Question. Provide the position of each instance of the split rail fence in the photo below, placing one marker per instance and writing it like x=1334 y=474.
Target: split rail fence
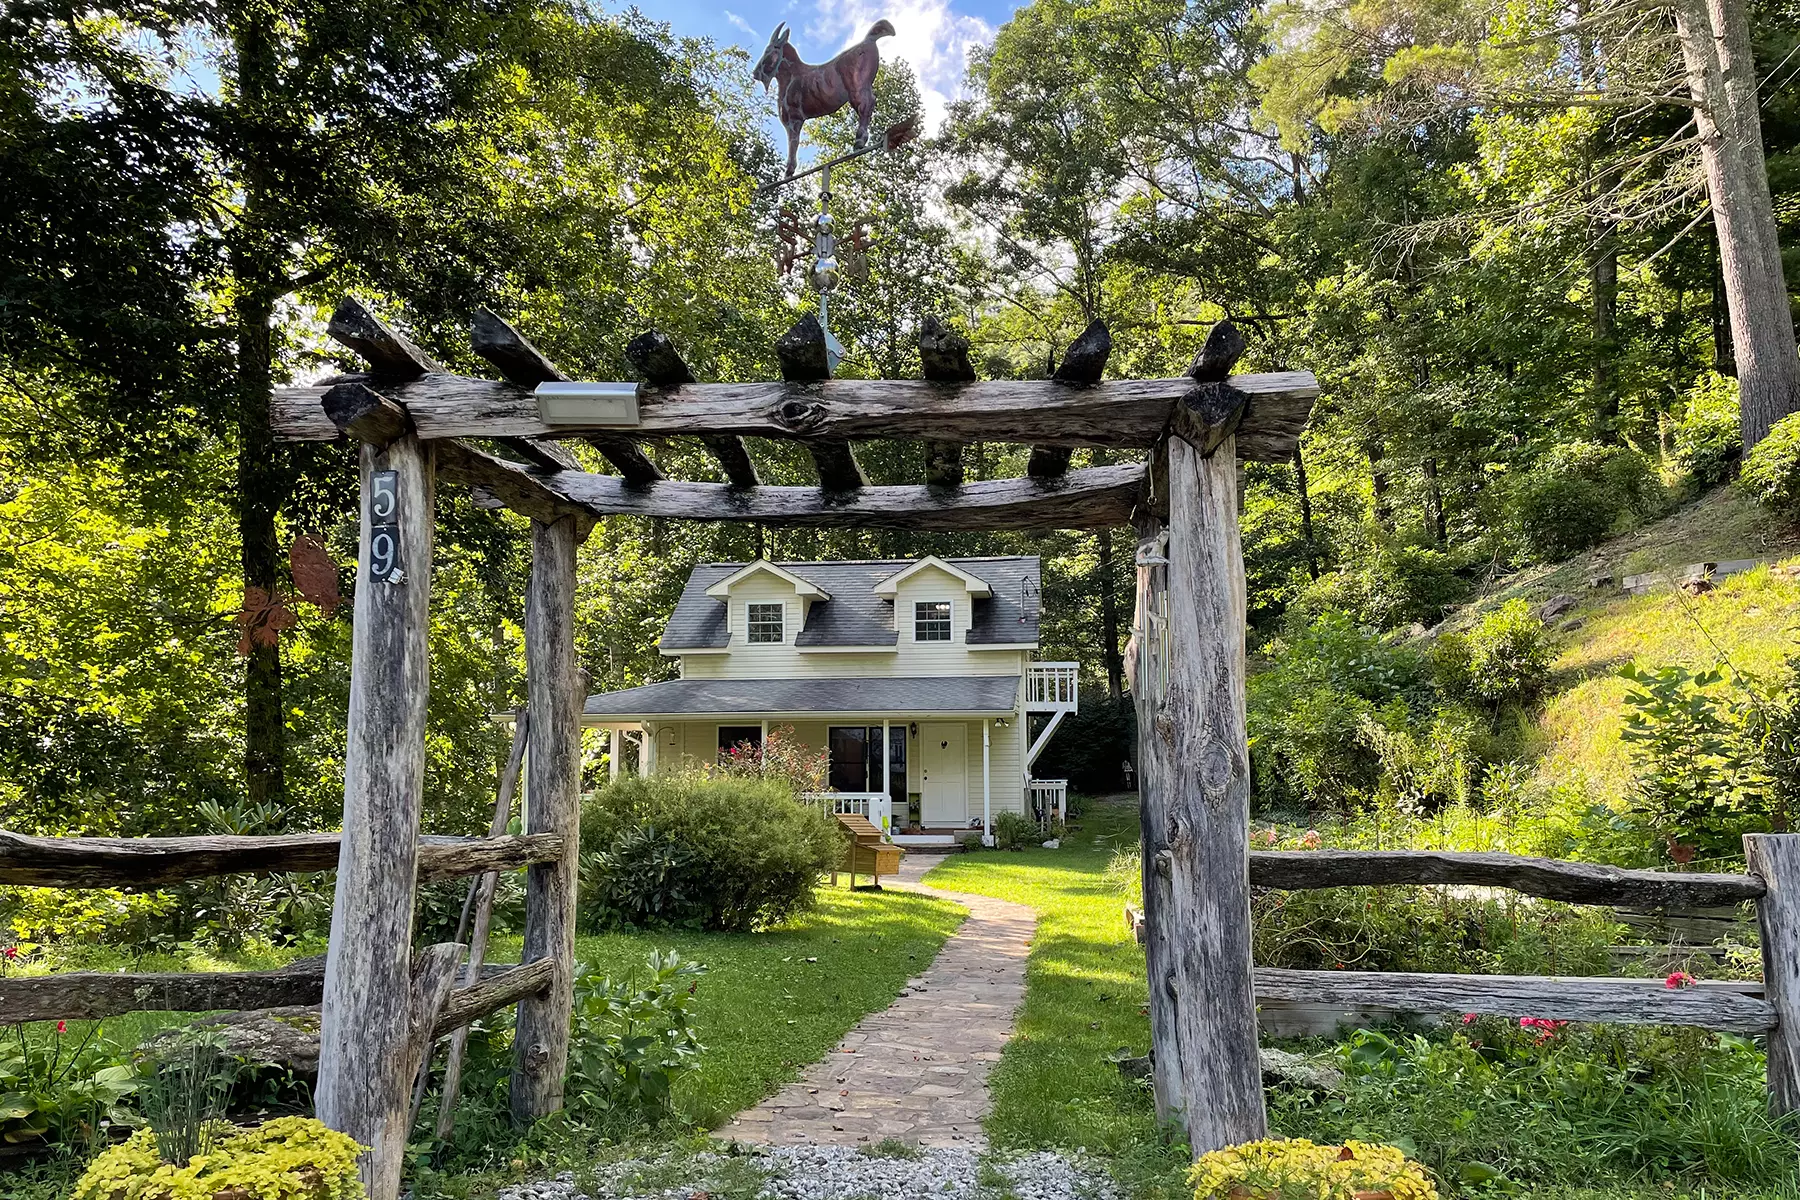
x=1770 y=1008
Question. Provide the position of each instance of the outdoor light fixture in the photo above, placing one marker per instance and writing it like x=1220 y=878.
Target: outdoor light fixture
x=913 y=729
x=1000 y=722
x=576 y=403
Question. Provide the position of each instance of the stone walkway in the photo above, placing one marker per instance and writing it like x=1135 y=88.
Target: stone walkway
x=916 y=1072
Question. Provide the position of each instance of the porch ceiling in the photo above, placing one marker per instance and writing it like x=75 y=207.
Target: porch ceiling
x=960 y=696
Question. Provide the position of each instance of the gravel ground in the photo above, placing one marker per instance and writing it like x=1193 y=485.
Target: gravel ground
x=831 y=1173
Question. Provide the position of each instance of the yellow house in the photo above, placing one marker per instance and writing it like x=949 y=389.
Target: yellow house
x=916 y=676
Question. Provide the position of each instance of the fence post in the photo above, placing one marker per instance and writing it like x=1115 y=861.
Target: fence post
x=553 y=782
x=1775 y=859
x=366 y=1020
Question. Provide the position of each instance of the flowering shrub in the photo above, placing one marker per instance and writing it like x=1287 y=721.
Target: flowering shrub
x=1277 y=1169
x=782 y=757
x=290 y=1158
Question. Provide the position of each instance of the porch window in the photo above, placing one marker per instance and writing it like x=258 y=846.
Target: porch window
x=733 y=739
x=931 y=621
x=856 y=759
x=766 y=623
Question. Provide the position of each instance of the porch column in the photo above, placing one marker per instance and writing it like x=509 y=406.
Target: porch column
x=887 y=776
x=647 y=750
x=987 y=815
x=615 y=745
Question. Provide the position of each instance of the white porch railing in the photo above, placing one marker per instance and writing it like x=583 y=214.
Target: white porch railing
x=878 y=807
x=1048 y=798
x=1052 y=687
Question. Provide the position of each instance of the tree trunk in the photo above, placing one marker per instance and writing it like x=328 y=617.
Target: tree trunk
x=1384 y=511
x=1434 y=502
x=1109 y=605
x=261 y=466
x=1715 y=44
x=1306 y=520
x=1724 y=358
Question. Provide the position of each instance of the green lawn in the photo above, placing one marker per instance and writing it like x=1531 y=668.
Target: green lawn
x=772 y=1002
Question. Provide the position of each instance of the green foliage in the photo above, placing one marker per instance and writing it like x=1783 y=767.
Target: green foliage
x=185 y=1096
x=1577 y=493
x=1393 y=585
x=1091 y=745
x=58 y=1088
x=289 y=1158
x=1772 y=472
x=1496 y=1102
x=1708 y=440
x=1505 y=659
x=1697 y=756
x=631 y=1040
x=713 y=852
x=1015 y=831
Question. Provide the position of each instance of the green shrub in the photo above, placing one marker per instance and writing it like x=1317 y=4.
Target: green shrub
x=1708 y=437
x=1504 y=660
x=57 y=1087
x=630 y=1042
x=1091 y=745
x=1575 y=495
x=724 y=852
x=289 y=1158
x=1394 y=585
x=1015 y=831
x=1772 y=472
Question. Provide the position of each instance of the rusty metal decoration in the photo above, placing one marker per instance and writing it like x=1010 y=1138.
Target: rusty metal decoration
x=806 y=91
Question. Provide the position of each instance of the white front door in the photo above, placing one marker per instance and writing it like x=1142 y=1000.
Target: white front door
x=943 y=774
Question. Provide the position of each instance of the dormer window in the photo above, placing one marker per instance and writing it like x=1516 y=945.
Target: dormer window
x=765 y=624
x=931 y=621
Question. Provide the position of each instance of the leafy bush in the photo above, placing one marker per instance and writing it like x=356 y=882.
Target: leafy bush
x=629 y=1043
x=1708 y=437
x=1015 y=831
x=57 y=1088
x=1426 y=764
x=104 y=916
x=1394 y=585
x=699 y=851
x=1505 y=659
x=1772 y=472
x=1280 y=1169
x=1492 y=1103
x=782 y=757
x=289 y=1158
x=1575 y=495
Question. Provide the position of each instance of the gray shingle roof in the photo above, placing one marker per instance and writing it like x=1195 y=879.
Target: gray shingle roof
x=855 y=615
x=974 y=695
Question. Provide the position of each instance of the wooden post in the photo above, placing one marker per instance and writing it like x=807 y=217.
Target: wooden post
x=366 y=1022
x=553 y=782
x=1776 y=858
x=987 y=802
x=1194 y=775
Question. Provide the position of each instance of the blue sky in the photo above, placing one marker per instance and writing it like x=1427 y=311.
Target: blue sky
x=934 y=36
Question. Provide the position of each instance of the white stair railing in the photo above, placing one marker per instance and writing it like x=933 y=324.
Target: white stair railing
x=878 y=807
x=1048 y=798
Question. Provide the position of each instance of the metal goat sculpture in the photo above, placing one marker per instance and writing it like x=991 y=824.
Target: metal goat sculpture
x=806 y=91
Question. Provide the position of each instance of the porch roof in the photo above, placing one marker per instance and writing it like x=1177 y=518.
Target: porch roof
x=970 y=696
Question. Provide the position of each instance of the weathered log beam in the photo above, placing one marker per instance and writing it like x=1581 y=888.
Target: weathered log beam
x=804 y=360
x=1093 y=498
x=389 y=352
x=1552 y=879
x=944 y=357
x=96 y=995
x=1083 y=364
x=655 y=357
x=1116 y=413
x=496 y=990
x=1635 y=1001
x=524 y=364
x=361 y=412
x=527 y=490
x=159 y=862
x=1775 y=858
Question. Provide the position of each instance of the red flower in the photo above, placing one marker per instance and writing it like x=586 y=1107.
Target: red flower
x=62 y=1027
x=12 y=952
x=1679 y=979
x=1681 y=852
x=1468 y=1018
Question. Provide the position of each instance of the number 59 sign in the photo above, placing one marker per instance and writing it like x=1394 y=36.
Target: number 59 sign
x=384 y=528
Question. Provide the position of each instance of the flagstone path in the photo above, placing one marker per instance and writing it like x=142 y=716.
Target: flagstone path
x=917 y=1071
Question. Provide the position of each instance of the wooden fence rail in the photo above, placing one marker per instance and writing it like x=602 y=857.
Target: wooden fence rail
x=94 y=995
x=157 y=862
x=1552 y=879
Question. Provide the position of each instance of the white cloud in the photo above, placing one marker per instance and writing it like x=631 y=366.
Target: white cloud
x=930 y=35
x=740 y=23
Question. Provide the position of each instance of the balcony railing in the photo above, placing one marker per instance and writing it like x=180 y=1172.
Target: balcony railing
x=1052 y=687
x=1047 y=800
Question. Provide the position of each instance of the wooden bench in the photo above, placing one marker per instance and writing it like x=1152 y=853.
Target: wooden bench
x=866 y=850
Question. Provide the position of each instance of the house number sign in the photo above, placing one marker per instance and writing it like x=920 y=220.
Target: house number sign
x=384 y=528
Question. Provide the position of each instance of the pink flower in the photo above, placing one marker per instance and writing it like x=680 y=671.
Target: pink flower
x=1546 y=1028
x=1468 y=1018
x=1311 y=839
x=1679 y=979
x=62 y=1027
x=12 y=952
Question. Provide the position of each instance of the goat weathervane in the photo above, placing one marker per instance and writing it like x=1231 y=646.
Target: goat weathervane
x=804 y=92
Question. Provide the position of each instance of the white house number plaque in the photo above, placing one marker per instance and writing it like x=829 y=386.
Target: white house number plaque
x=384 y=527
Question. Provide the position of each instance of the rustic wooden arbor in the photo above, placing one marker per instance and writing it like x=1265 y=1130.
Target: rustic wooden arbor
x=418 y=424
